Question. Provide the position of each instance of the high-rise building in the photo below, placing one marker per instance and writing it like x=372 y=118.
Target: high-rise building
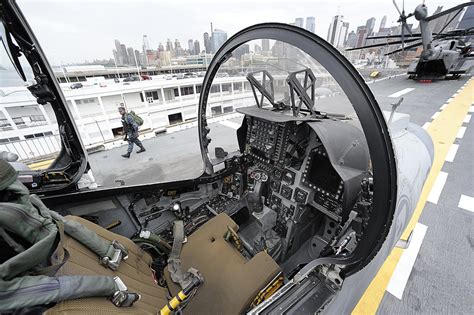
x=218 y=39
x=146 y=44
x=119 y=57
x=361 y=33
x=370 y=25
x=197 y=47
x=191 y=47
x=344 y=32
x=123 y=53
x=177 y=44
x=131 y=56
x=299 y=22
x=257 y=49
x=161 y=47
x=265 y=44
x=240 y=51
x=138 y=59
x=337 y=32
x=207 y=42
x=178 y=51
x=382 y=23
x=311 y=23
x=169 y=45
x=351 y=39
x=116 y=57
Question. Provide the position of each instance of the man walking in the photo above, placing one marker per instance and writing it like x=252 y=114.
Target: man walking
x=130 y=127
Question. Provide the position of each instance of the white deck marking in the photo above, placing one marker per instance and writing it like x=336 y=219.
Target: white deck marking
x=230 y=124
x=426 y=125
x=466 y=203
x=449 y=100
x=402 y=271
x=402 y=92
x=461 y=132
x=435 y=115
x=467 y=119
x=437 y=188
x=452 y=152
x=471 y=109
x=444 y=107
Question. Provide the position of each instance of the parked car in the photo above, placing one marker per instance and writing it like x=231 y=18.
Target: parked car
x=146 y=77
x=77 y=85
x=132 y=78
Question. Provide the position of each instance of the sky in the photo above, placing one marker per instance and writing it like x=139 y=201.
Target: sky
x=76 y=30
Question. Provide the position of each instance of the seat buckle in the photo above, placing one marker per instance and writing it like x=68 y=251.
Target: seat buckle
x=119 y=253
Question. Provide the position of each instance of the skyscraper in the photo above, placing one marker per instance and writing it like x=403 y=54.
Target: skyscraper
x=161 y=47
x=207 y=42
x=146 y=44
x=241 y=50
x=370 y=25
x=351 y=40
x=337 y=31
x=197 y=47
x=123 y=54
x=137 y=56
x=131 y=56
x=310 y=23
x=382 y=23
x=169 y=45
x=265 y=44
x=361 y=35
x=119 y=59
x=299 y=22
x=344 y=32
x=218 y=38
x=191 y=46
x=177 y=44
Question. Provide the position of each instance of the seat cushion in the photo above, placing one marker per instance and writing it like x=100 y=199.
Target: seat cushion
x=231 y=282
x=135 y=272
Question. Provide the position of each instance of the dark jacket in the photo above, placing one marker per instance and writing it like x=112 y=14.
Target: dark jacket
x=130 y=127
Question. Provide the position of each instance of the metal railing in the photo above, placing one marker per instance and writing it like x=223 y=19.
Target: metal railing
x=33 y=149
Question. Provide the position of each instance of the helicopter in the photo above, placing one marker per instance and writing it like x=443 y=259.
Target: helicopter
x=445 y=55
x=306 y=209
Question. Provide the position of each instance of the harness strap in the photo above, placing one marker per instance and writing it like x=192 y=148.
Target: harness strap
x=184 y=279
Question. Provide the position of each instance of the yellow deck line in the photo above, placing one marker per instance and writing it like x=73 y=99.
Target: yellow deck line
x=40 y=165
x=443 y=131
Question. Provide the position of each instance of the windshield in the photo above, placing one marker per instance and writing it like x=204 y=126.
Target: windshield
x=282 y=78
x=29 y=132
x=107 y=62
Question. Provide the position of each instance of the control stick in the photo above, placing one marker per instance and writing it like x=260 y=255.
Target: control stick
x=255 y=199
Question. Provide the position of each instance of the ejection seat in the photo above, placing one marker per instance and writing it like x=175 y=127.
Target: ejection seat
x=230 y=281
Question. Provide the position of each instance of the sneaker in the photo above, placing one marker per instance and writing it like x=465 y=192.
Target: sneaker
x=141 y=150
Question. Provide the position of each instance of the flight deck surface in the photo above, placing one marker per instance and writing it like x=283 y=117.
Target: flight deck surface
x=440 y=278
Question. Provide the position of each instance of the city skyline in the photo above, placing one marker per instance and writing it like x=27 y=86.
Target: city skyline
x=75 y=46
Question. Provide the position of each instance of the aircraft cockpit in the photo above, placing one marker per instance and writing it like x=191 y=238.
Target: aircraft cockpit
x=297 y=192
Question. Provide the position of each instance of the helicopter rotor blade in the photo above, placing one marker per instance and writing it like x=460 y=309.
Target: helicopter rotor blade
x=440 y=14
x=449 y=22
x=406 y=47
x=396 y=36
x=396 y=6
x=384 y=44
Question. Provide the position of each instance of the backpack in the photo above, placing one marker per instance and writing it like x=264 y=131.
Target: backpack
x=137 y=119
